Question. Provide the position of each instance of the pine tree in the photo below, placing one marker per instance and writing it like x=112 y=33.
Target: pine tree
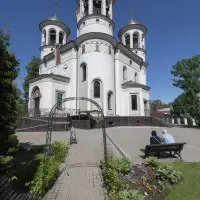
x=8 y=95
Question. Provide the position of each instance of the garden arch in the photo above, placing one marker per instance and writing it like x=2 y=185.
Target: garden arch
x=51 y=117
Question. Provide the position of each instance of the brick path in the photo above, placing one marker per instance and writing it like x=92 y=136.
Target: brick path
x=80 y=177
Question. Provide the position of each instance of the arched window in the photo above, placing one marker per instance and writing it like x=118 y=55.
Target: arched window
x=135 y=40
x=110 y=50
x=83 y=67
x=83 y=49
x=124 y=74
x=44 y=37
x=61 y=37
x=97 y=47
x=136 y=77
x=110 y=94
x=97 y=89
x=97 y=7
x=127 y=40
x=52 y=36
x=86 y=7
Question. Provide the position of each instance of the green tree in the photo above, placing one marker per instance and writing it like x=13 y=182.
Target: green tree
x=187 y=74
x=187 y=77
x=32 y=72
x=8 y=95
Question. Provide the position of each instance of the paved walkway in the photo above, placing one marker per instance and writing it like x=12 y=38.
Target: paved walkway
x=80 y=177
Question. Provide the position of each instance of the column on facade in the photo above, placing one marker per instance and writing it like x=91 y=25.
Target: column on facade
x=185 y=121
x=81 y=8
x=178 y=120
x=90 y=7
x=57 y=36
x=172 y=120
x=47 y=36
x=131 y=39
x=103 y=7
x=111 y=9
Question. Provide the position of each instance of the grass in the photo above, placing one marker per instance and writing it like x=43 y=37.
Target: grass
x=189 y=188
x=24 y=167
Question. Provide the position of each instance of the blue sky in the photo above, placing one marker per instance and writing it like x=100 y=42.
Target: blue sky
x=173 y=32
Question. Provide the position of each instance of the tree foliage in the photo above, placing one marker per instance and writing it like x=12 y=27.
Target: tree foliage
x=32 y=72
x=187 y=77
x=187 y=74
x=8 y=95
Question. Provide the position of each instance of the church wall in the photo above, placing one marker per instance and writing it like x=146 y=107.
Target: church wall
x=95 y=25
x=100 y=65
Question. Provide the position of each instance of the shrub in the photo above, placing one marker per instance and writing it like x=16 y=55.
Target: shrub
x=131 y=195
x=48 y=169
x=111 y=174
x=167 y=174
x=152 y=162
x=59 y=151
x=123 y=165
x=5 y=162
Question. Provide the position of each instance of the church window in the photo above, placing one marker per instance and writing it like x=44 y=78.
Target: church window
x=97 y=89
x=97 y=47
x=45 y=37
x=110 y=50
x=61 y=37
x=97 y=7
x=110 y=94
x=52 y=36
x=97 y=20
x=83 y=49
x=127 y=40
x=59 y=99
x=134 y=102
x=136 y=77
x=86 y=7
x=135 y=40
x=124 y=74
x=84 y=68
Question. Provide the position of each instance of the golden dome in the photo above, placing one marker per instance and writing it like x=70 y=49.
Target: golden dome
x=133 y=22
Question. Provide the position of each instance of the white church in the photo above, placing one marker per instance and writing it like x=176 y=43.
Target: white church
x=95 y=65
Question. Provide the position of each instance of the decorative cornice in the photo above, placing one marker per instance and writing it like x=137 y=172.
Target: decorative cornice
x=89 y=36
x=129 y=53
x=95 y=16
x=130 y=27
x=131 y=84
x=64 y=48
x=51 y=76
x=138 y=49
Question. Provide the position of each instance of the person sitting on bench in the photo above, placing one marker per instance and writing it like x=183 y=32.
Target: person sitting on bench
x=155 y=139
x=167 y=138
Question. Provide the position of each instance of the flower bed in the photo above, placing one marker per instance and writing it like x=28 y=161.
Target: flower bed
x=142 y=181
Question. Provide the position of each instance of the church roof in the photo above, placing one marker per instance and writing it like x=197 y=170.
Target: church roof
x=131 y=84
x=51 y=76
x=54 y=20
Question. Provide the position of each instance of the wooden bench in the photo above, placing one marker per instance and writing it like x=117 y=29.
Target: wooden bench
x=173 y=149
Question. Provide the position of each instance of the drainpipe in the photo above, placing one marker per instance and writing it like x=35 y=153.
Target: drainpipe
x=76 y=80
x=115 y=83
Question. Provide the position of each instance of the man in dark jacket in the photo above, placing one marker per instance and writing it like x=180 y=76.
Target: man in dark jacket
x=155 y=139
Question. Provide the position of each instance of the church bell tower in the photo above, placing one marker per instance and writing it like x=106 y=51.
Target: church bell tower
x=95 y=16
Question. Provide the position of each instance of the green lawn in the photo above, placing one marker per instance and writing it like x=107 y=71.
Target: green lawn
x=189 y=188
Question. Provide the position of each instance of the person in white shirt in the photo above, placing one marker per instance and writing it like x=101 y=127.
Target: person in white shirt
x=167 y=138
